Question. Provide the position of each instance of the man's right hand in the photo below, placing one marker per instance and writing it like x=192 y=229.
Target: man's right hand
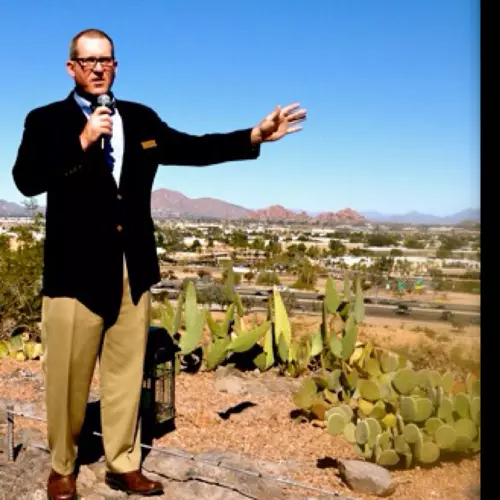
x=99 y=123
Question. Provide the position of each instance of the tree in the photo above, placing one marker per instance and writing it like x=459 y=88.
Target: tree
x=258 y=244
x=381 y=240
x=413 y=243
x=268 y=278
x=249 y=276
x=336 y=248
x=307 y=275
x=313 y=252
x=274 y=247
x=21 y=279
x=238 y=239
x=195 y=246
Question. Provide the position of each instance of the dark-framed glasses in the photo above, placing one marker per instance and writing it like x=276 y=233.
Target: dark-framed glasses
x=91 y=62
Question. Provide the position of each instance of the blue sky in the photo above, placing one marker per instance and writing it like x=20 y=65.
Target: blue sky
x=391 y=88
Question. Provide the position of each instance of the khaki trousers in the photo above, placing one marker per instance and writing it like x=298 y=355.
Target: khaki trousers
x=71 y=338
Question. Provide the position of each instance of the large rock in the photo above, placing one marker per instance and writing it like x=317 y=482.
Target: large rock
x=366 y=477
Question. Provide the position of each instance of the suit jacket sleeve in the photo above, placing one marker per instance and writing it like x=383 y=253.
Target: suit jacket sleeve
x=47 y=154
x=180 y=148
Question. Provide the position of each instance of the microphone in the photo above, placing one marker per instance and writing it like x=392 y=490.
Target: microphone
x=104 y=100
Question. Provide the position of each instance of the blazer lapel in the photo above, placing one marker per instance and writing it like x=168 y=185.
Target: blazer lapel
x=75 y=116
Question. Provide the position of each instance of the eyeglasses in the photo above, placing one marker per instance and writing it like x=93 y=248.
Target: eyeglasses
x=91 y=62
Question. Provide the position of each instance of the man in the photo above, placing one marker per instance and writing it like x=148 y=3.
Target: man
x=97 y=166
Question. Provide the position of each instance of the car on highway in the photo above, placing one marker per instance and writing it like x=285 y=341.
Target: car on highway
x=402 y=310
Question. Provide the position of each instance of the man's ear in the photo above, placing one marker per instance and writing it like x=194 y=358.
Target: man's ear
x=70 y=65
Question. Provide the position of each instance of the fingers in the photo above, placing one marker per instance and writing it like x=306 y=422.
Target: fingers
x=291 y=130
x=297 y=116
x=287 y=109
x=101 y=110
x=274 y=115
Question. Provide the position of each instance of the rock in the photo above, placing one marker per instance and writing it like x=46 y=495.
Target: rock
x=104 y=490
x=98 y=469
x=200 y=478
x=173 y=467
x=86 y=477
x=473 y=492
x=366 y=477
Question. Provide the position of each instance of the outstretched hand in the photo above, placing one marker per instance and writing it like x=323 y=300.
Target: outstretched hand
x=280 y=122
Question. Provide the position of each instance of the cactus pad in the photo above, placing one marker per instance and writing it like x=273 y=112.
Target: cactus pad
x=423 y=379
x=351 y=379
x=347 y=410
x=407 y=408
x=365 y=406
x=432 y=425
x=461 y=405
x=445 y=410
x=378 y=410
x=400 y=423
x=350 y=432
x=372 y=367
x=412 y=433
x=369 y=390
x=388 y=362
x=447 y=382
x=424 y=409
x=384 y=441
x=336 y=424
x=432 y=395
x=439 y=396
x=428 y=453
x=389 y=420
x=435 y=378
x=375 y=430
x=401 y=445
x=404 y=381
x=388 y=458
x=362 y=432
x=445 y=437
x=337 y=410
x=463 y=444
x=475 y=410
x=303 y=398
x=466 y=427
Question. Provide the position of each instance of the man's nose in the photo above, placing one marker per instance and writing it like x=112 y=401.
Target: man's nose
x=98 y=67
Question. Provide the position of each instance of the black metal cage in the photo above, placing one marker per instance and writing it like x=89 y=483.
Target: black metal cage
x=158 y=387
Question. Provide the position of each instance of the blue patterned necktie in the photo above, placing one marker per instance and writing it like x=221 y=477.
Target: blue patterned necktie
x=108 y=153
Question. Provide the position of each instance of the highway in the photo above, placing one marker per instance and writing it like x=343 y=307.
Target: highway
x=310 y=303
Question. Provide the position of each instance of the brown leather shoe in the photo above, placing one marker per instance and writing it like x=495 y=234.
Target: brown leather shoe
x=133 y=483
x=61 y=487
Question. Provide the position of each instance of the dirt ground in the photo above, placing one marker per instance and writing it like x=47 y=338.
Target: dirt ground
x=265 y=428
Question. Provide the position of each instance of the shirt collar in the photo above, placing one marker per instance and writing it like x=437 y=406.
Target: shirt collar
x=83 y=103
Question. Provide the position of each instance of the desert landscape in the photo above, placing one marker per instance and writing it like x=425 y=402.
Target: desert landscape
x=419 y=304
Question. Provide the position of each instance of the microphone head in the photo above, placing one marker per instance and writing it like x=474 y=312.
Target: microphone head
x=104 y=100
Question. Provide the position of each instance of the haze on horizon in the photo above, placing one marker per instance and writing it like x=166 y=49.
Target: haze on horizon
x=391 y=89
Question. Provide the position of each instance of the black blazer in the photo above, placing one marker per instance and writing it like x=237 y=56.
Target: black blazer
x=91 y=222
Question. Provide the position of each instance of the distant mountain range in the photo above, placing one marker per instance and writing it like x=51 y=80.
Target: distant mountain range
x=166 y=203
x=470 y=214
